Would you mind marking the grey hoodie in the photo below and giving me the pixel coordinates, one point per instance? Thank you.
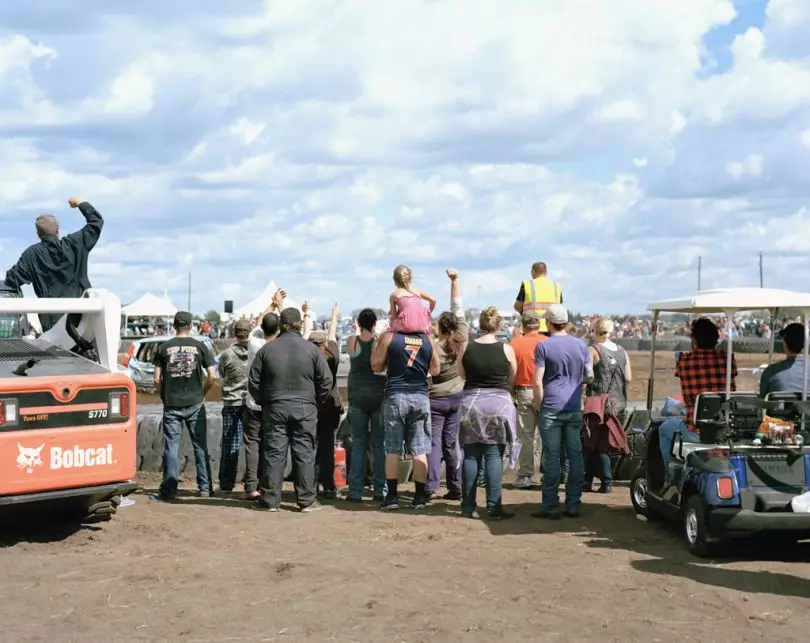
(233, 369)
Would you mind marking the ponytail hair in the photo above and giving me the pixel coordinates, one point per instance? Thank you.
(402, 276)
(448, 326)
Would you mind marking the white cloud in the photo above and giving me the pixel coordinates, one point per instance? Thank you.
(247, 130)
(751, 167)
(320, 143)
(677, 122)
(131, 94)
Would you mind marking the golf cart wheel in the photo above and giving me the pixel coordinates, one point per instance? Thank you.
(638, 495)
(696, 528)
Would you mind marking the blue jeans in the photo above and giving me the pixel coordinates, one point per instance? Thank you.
(559, 428)
(194, 419)
(666, 436)
(366, 425)
(492, 456)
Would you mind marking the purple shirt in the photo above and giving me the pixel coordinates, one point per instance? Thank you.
(564, 359)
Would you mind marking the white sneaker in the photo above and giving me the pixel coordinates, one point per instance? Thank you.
(524, 483)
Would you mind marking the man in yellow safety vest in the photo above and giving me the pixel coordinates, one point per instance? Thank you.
(538, 293)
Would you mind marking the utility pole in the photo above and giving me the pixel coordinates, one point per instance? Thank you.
(700, 265)
(189, 292)
(761, 277)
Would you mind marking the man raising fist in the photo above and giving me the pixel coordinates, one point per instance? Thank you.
(57, 267)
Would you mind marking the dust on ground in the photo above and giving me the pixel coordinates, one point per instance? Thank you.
(213, 569)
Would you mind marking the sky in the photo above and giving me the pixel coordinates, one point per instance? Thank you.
(319, 143)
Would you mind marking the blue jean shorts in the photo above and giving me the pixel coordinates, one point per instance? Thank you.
(406, 419)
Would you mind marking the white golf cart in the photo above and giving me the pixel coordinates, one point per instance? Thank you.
(737, 481)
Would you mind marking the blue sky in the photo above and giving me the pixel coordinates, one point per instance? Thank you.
(319, 143)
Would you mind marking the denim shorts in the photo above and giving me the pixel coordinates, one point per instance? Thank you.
(406, 419)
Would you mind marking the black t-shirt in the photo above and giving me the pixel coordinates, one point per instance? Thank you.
(183, 362)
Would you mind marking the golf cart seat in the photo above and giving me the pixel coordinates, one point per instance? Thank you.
(783, 404)
(717, 414)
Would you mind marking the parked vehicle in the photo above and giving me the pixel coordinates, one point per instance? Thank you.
(141, 357)
(743, 478)
(67, 422)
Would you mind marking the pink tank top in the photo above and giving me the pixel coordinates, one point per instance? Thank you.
(412, 316)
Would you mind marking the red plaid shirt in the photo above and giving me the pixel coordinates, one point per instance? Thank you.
(702, 371)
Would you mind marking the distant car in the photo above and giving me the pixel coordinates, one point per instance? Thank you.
(140, 363)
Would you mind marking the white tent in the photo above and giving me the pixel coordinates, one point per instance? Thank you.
(262, 302)
(150, 306)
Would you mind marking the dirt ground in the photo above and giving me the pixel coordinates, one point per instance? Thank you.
(213, 569)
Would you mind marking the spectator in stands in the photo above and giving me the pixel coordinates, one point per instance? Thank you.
(538, 293)
(254, 462)
(233, 364)
(525, 346)
(612, 374)
(291, 379)
(702, 370)
(445, 396)
(562, 364)
(331, 409)
(184, 373)
(487, 414)
(787, 375)
(57, 267)
(366, 390)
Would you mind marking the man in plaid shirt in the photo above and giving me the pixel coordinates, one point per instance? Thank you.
(703, 370)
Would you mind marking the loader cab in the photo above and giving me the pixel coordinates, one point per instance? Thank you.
(11, 325)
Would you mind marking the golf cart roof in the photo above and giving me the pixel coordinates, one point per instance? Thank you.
(733, 299)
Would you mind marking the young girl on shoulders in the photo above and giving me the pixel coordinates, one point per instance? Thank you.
(408, 315)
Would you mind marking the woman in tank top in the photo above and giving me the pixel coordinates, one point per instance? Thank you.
(487, 415)
(365, 403)
(612, 374)
(445, 397)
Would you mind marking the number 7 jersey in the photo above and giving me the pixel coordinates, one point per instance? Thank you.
(409, 356)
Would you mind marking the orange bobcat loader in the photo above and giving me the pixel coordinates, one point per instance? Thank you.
(67, 414)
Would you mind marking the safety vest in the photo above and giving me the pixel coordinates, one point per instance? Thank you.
(539, 294)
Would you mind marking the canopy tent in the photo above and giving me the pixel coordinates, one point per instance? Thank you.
(262, 302)
(150, 306)
(733, 300)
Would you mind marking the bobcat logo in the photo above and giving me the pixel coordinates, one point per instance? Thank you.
(29, 458)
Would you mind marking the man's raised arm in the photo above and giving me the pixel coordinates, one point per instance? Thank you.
(88, 236)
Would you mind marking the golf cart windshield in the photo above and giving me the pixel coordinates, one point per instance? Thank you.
(730, 301)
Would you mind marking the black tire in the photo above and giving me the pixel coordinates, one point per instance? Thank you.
(696, 529)
(638, 495)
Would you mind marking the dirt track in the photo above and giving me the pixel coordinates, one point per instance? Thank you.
(216, 570)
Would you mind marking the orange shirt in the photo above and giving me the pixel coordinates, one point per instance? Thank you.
(524, 347)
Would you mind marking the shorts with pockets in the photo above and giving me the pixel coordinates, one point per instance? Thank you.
(406, 419)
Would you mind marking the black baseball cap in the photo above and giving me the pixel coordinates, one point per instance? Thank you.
(182, 318)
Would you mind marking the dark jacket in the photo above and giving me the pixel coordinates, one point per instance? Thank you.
(58, 267)
(290, 369)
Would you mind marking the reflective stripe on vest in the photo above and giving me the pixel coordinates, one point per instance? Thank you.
(539, 294)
